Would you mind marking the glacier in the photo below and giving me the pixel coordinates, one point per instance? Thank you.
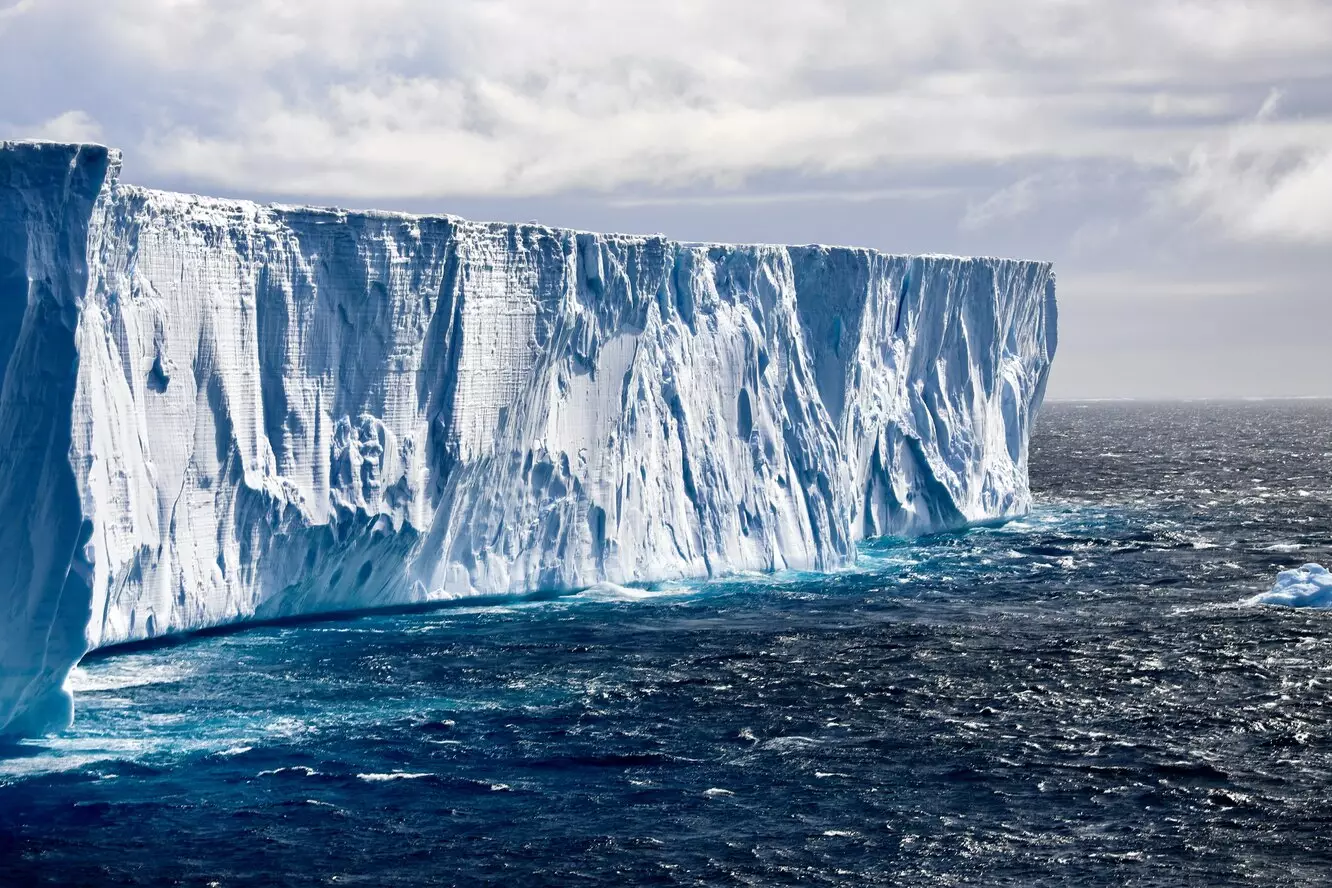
(214, 411)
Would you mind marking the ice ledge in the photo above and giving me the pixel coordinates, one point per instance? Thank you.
(216, 411)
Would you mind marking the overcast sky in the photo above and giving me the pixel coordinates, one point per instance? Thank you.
(1173, 158)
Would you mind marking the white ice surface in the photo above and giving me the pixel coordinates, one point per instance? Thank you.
(214, 411)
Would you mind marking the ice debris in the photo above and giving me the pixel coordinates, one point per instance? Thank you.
(1307, 586)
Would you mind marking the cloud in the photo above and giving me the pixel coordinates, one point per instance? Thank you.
(765, 198)
(1009, 202)
(1126, 286)
(1282, 196)
(414, 98)
(71, 126)
(1264, 179)
(15, 10)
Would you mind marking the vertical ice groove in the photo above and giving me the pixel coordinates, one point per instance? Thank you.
(213, 411)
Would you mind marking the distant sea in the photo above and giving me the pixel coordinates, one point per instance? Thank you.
(1078, 697)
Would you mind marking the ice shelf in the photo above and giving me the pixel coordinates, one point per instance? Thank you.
(214, 411)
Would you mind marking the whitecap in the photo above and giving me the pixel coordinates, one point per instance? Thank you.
(13, 770)
(717, 792)
(118, 674)
(289, 727)
(782, 744)
(616, 592)
(396, 775)
(303, 770)
(69, 753)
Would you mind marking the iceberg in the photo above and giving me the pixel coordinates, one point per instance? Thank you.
(1307, 586)
(214, 411)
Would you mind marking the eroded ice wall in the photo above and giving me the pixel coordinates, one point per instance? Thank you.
(263, 411)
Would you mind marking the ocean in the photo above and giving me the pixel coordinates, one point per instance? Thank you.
(1077, 697)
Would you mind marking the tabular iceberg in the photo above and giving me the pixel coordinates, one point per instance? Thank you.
(214, 411)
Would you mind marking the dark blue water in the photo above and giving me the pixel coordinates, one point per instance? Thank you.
(1074, 698)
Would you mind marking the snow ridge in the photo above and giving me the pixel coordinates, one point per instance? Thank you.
(214, 411)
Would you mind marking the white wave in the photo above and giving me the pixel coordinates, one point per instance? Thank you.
(294, 769)
(117, 674)
(616, 592)
(717, 792)
(15, 770)
(782, 744)
(287, 726)
(61, 754)
(395, 775)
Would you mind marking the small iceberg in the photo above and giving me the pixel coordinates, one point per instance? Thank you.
(1307, 586)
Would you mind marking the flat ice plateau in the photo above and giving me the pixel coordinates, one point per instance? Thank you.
(214, 411)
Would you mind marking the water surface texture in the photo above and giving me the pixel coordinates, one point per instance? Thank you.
(1072, 698)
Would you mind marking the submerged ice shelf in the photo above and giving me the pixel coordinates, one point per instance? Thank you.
(214, 411)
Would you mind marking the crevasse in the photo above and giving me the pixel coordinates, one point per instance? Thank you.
(213, 411)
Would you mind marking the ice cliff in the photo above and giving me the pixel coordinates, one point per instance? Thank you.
(213, 411)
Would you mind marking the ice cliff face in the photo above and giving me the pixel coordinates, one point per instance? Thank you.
(214, 411)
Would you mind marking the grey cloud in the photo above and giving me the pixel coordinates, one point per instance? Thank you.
(412, 97)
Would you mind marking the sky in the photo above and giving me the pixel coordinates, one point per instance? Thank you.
(1173, 158)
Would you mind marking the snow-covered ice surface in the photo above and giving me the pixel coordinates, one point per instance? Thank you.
(214, 411)
(1307, 586)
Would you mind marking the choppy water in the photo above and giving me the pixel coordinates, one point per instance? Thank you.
(1074, 698)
